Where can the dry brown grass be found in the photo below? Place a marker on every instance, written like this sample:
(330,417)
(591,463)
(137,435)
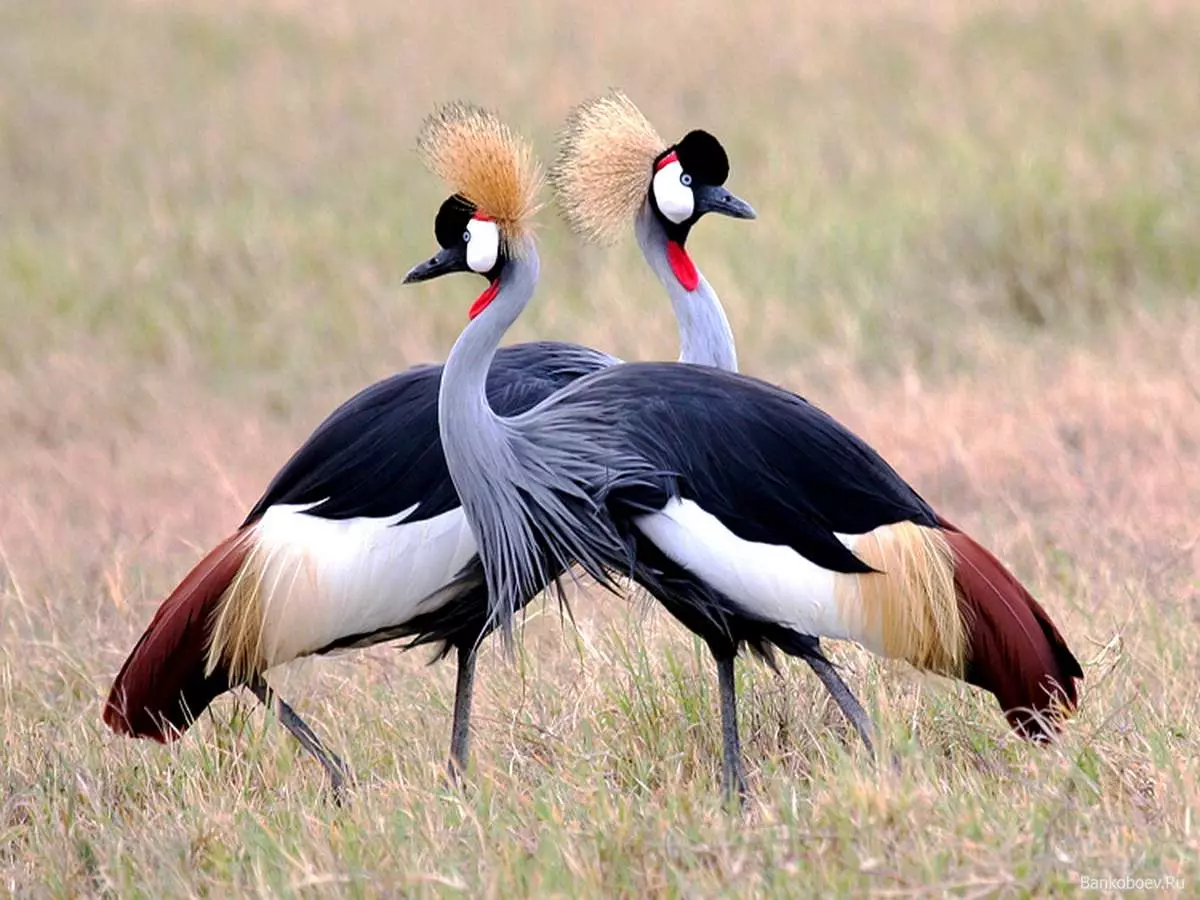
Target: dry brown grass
(977,247)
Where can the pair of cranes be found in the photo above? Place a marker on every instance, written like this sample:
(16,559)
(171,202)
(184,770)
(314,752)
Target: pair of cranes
(434,505)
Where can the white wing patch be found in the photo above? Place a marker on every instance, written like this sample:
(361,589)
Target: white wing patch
(325,579)
(767,580)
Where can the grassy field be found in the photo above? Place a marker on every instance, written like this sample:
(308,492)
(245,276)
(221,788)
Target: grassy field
(978,245)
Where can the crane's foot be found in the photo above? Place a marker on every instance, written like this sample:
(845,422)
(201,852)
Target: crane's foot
(734,773)
(460,729)
(340,778)
(845,699)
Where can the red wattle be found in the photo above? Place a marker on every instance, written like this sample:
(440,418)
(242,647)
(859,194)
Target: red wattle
(682,266)
(482,301)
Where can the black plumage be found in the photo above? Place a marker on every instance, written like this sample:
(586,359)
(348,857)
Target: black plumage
(380,452)
(771,466)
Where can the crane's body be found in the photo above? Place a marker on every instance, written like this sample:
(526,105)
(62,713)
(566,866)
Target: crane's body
(761,497)
(360,539)
(751,514)
(777,520)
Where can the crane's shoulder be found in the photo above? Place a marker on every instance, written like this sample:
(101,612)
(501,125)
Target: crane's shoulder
(764,460)
(380,452)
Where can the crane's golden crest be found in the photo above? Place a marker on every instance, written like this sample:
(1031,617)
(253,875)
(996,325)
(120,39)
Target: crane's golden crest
(486,162)
(604,167)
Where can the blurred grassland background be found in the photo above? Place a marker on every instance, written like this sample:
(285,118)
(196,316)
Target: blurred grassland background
(978,245)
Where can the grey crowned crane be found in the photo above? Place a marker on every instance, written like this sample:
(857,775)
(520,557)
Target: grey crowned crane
(736,502)
(359,539)
(614,170)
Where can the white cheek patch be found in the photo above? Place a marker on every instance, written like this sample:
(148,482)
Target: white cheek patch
(484,247)
(675,199)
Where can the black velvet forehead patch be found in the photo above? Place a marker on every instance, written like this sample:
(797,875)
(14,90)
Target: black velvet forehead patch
(703,157)
(452,221)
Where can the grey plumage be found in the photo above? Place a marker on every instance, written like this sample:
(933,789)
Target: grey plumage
(532,491)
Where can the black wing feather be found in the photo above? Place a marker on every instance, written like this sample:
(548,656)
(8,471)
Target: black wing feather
(380,452)
(770,465)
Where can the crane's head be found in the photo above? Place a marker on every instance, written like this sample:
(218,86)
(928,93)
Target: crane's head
(689,181)
(470,242)
(611,163)
(495,177)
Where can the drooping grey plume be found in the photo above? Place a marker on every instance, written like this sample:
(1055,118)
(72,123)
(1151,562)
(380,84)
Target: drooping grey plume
(534,497)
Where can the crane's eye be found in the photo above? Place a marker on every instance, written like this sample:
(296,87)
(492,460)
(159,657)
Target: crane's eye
(685,179)
(466,237)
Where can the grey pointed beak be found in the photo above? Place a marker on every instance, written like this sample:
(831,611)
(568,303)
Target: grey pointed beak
(724,203)
(441,263)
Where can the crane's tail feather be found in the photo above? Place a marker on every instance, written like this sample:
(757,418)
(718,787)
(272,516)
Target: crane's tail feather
(1016,651)
(166,681)
(943,603)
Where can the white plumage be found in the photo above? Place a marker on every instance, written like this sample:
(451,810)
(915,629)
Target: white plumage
(326,579)
(770,581)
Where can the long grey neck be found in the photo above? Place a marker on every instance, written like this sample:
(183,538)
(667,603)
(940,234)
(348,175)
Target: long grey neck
(467,424)
(526,492)
(705,337)
(482,455)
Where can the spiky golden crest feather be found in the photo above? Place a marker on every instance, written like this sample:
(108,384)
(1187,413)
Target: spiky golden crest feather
(485,161)
(910,604)
(604,166)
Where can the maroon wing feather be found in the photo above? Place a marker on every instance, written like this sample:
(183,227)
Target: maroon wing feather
(1015,650)
(162,686)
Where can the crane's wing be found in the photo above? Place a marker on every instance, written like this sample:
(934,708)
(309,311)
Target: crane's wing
(772,467)
(380,453)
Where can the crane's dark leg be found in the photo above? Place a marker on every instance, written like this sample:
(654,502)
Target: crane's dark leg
(460,731)
(844,698)
(334,767)
(734,774)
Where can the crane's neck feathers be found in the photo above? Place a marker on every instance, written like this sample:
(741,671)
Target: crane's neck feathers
(492,314)
(705,337)
(525,488)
